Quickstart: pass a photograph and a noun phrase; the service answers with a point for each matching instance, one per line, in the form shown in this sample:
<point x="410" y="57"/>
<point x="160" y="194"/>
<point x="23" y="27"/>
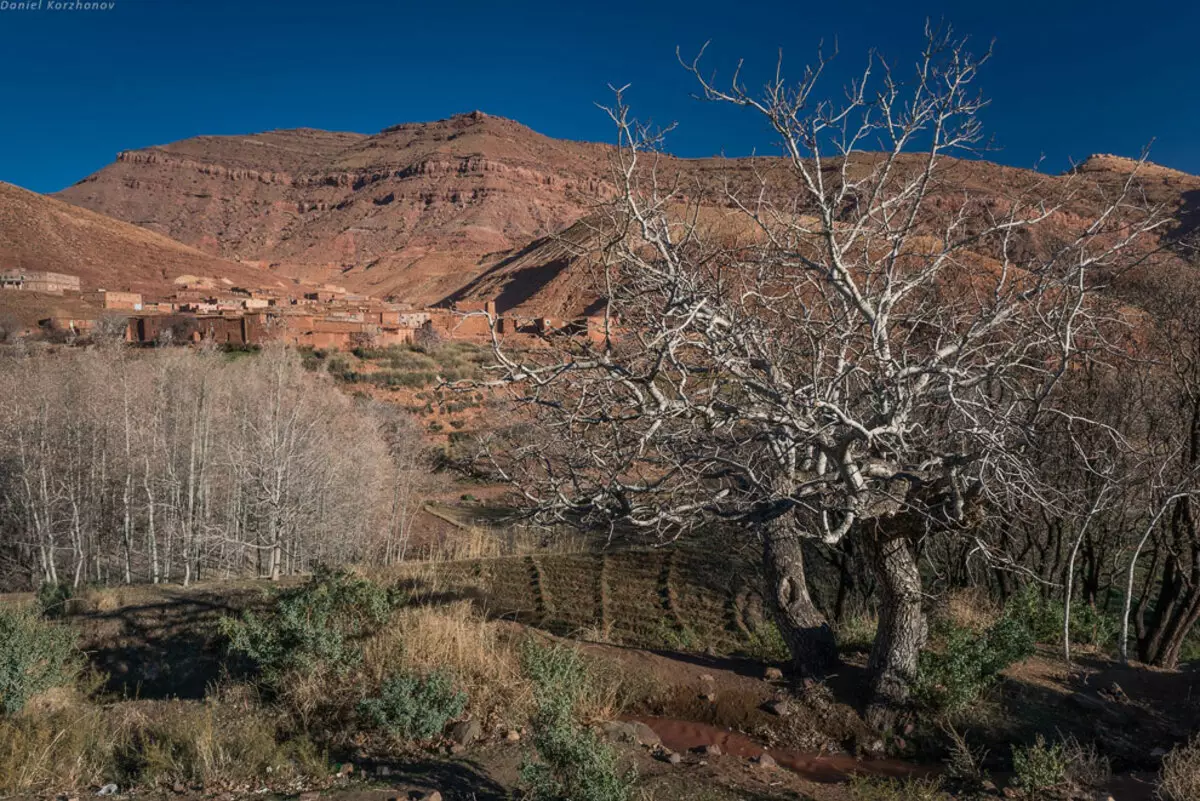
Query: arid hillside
<point x="412" y="212"/>
<point x="39" y="233"/>
<point x="455" y="209"/>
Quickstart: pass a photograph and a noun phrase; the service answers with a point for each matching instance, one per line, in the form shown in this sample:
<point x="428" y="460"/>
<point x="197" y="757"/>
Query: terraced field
<point x="681" y="597"/>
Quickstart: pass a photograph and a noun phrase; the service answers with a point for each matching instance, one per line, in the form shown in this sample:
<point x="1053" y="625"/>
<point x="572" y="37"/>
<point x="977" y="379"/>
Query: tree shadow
<point x="454" y="779"/>
<point x="167" y="648"/>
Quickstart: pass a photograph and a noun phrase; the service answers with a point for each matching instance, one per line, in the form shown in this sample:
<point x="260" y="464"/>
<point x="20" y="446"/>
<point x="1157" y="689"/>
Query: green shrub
<point x="966" y="663"/>
<point x="766" y="644"/>
<point x="317" y="626"/>
<point x="572" y="763"/>
<point x="1040" y="767"/>
<point x="52" y="599"/>
<point x="35" y="655"/>
<point x="1089" y="626"/>
<point x="413" y="707"/>
<point x="856" y="634"/>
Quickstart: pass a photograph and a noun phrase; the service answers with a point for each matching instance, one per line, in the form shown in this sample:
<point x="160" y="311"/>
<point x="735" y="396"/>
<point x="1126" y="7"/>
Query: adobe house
<point x="36" y="281"/>
<point x="106" y="299"/>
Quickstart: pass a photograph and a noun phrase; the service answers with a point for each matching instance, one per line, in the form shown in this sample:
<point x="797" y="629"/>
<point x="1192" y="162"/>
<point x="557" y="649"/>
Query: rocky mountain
<point x="412" y="212"/>
<point x="464" y="208"/>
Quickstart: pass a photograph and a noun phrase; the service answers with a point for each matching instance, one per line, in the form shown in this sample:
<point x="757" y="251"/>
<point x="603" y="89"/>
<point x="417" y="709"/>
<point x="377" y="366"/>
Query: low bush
<point x="314" y="627"/>
<point x="414" y="707"/>
<point x="966" y="662"/>
<point x="52" y="599"/>
<point x="1040" y="767"/>
<point x="766" y="644"/>
<point x="1044" y="617"/>
<point x="572" y="763"/>
<point x="35" y="655"/>
<point x="856" y="634"/>
<point x="1179" y="777"/>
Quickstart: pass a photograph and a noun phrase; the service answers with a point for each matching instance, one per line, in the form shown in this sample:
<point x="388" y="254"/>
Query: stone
<point x="674" y="758"/>
<point x="710" y="750"/>
<point x="630" y="732"/>
<point x="309" y="796"/>
<point x="766" y="761"/>
<point x="466" y="732"/>
<point x="710" y="697"/>
<point x="108" y="789"/>
<point x="178" y="788"/>
<point x="773" y="674"/>
<point x="780" y="707"/>
<point x="512" y="736"/>
<point x="432" y="795"/>
<point x="707" y="677"/>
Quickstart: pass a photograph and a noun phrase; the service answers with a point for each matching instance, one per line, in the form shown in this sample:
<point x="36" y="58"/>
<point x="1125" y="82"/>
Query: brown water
<point x="684" y="735"/>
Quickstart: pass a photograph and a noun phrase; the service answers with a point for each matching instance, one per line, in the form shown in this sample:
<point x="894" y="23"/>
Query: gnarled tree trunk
<point x="902" y="628"/>
<point x="804" y="628"/>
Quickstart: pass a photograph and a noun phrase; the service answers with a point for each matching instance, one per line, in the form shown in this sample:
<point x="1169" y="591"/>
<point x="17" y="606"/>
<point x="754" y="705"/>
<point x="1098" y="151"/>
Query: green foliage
<point x="317" y="626"/>
<point x="1044" y="617"/>
<point x="414" y="707"/>
<point x="766" y="644"/>
<point x="35" y="655"/>
<point x="967" y="662"/>
<point x="52" y="599"/>
<point x="572" y="763"/>
<point x="1040" y="766"/>
<point x="856" y="634"/>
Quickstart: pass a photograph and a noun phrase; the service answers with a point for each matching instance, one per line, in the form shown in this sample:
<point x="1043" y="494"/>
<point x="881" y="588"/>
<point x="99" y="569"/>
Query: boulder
<point x="633" y="731"/>
<point x="465" y="732"/>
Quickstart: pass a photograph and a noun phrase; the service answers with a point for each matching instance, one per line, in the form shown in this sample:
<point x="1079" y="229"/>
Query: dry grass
<point x="147" y="743"/>
<point x="1179" y="779"/>
<point x="484" y="657"/>
<point x="455" y="637"/>
<point x="472" y="541"/>
<point x="971" y="608"/>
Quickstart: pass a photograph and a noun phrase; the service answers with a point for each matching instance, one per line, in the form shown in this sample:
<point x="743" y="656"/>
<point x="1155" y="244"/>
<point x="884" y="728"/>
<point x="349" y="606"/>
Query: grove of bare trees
<point x="122" y="466"/>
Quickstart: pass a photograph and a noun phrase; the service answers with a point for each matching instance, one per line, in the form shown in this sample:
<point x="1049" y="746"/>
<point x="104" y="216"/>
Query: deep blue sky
<point x="1068" y="78"/>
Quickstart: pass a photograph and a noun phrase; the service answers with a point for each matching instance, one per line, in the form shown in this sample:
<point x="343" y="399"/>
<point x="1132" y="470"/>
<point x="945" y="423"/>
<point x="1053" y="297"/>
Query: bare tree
<point x="852" y="346"/>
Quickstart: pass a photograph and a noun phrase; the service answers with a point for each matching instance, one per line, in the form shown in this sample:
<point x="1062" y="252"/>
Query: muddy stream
<point x="686" y="735"/>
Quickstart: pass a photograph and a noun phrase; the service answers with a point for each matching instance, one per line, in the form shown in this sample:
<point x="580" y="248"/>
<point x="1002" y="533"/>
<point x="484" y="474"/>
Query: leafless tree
<point x="126" y="465"/>
<point x="851" y="345"/>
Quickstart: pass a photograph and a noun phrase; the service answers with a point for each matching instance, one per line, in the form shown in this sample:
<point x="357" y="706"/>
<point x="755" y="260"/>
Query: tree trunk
<point x="902" y="630"/>
<point x="805" y="630"/>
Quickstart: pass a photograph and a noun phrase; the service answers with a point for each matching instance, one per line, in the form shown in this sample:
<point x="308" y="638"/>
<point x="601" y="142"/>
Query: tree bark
<point x="804" y="628"/>
<point x="902" y="629"/>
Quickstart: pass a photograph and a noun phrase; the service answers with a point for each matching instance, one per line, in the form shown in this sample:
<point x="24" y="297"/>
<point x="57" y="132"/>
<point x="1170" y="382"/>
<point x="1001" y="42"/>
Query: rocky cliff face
<point x="412" y="212"/>
<point x="425" y="211"/>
